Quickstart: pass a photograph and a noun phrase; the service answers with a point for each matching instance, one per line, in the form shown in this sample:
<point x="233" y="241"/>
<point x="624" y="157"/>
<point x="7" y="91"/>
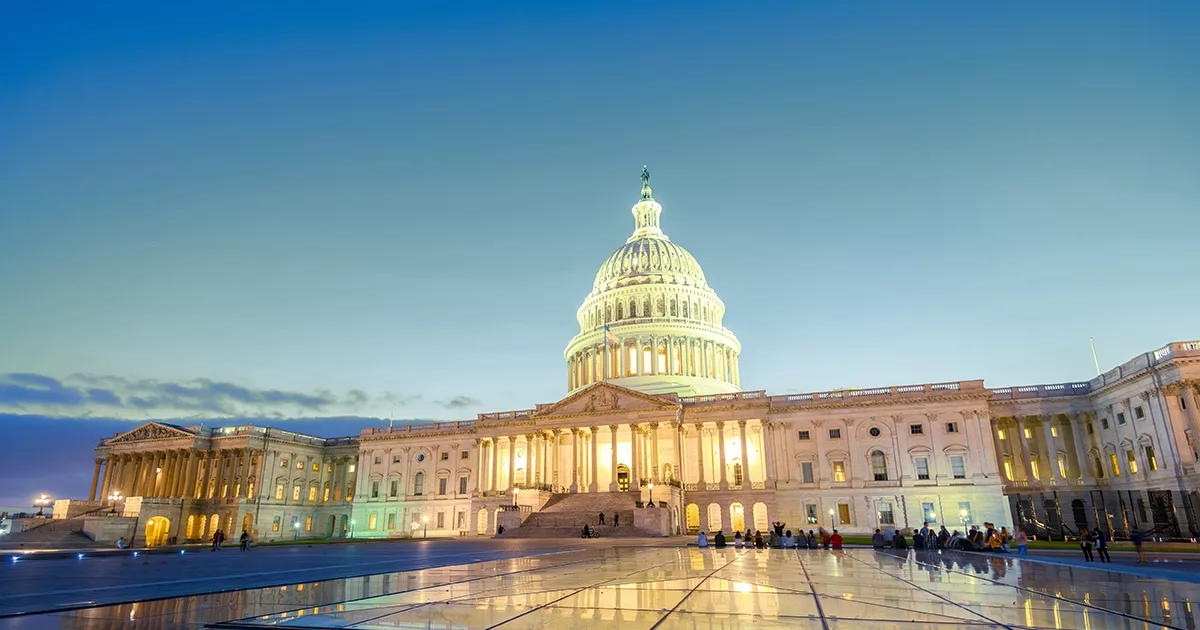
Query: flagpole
<point x="1094" y="358"/>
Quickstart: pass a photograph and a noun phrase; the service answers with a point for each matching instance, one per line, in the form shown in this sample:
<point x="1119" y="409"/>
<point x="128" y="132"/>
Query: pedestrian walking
<point x="602" y="518"/>
<point x="245" y="540"/>
<point x="1022" y="540"/>
<point x="1085" y="544"/>
<point x="616" y="519"/>
<point x="1102" y="545"/>
<point x="1136" y="538"/>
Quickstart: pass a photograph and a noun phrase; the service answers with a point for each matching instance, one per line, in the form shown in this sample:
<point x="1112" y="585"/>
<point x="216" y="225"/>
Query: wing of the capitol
<point x="655" y="415"/>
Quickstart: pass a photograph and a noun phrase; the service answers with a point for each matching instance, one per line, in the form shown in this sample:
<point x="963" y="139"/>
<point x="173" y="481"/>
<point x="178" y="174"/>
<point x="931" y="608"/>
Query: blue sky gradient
<point x="283" y="210"/>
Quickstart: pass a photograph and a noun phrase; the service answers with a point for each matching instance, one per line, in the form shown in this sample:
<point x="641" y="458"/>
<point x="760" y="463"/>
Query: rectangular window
<point x="278" y="492"/>
<point x="1062" y="467"/>
<point x="275" y="524"/>
<point x="371" y="522"/>
<point x="442" y="485"/>
<point x="441" y="522"/>
<point x="283" y="463"/>
<point x="1008" y="470"/>
<point x="885" y="514"/>
<point x="844" y="513"/>
<point x="1028" y="433"/>
<point x="325" y="496"/>
<point x="803" y="436"/>
<point x="350" y="468"/>
<point x="299" y="465"/>
<point x="1103" y="423"/>
<point x="396" y="459"/>
<point x="461" y="517"/>
<point x="922" y="468"/>
<point x="1121" y="418"/>
<point x="328" y="468"/>
<point x="295" y="493"/>
<point x="1091" y="429"/>
<point x="1035" y="469"/>
<point x="928" y="513"/>
<point x="951" y="427"/>
<point x="839" y="471"/>
<point x="374" y="489"/>
<point x="308" y="524"/>
<point x="964" y="512"/>
<point x="1001" y="434"/>
<point x="1133" y="467"/>
<point x="806" y="469"/>
<point x="1139" y="413"/>
<point x="295" y="523"/>
<point x="312" y="493"/>
<point x="378" y="460"/>
<point x="835" y="434"/>
<point x="958" y="467"/>
<point x="445" y="456"/>
<point x="464" y="455"/>
<point x="224" y="490"/>
<point x="811" y="511"/>
<point x="916" y="429"/>
<point x="1053" y="431"/>
<point x="1116" y="469"/>
<point x="391" y="520"/>
<point x="462" y="485"/>
<point x="316" y="467"/>
<point x="394" y="490"/>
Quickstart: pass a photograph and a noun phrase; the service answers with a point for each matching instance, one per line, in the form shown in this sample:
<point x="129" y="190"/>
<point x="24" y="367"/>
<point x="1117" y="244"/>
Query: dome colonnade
<point x="664" y="323"/>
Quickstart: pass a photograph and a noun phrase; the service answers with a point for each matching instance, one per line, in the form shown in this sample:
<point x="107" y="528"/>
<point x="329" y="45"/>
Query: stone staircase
<point x="66" y="533"/>
<point x="564" y="515"/>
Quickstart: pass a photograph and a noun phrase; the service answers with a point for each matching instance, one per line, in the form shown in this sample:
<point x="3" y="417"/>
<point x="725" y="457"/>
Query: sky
<point x="321" y="215"/>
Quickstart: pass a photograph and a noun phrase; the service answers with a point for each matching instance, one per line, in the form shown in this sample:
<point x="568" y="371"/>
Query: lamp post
<point x="425" y="520"/>
<point x="113" y="498"/>
<point x="962" y="516"/>
<point x="295" y="529"/>
<point x="415" y="527"/>
<point x="41" y="503"/>
<point x="516" y="490"/>
<point x="352" y="528"/>
<point x="650" y="487"/>
<point x="830" y="518"/>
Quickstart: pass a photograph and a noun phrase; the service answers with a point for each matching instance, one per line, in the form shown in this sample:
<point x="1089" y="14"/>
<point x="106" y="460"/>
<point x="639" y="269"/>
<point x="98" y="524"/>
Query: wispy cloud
<point x="87" y="394"/>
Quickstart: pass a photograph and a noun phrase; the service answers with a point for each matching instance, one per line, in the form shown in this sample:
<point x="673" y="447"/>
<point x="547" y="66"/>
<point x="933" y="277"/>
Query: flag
<point x="608" y="334"/>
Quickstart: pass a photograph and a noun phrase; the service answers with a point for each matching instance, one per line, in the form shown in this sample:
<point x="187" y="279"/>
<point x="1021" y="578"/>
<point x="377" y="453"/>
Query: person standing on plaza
<point x="602" y="518"/>
<point x="245" y="540"/>
<point x="1005" y="539"/>
<point x="1102" y="545"/>
<point x="1085" y="544"/>
<point x="616" y="519"/>
<point x="1136" y="538"/>
<point x="216" y="540"/>
<point x="1022" y="540"/>
<point x="943" y="538"/>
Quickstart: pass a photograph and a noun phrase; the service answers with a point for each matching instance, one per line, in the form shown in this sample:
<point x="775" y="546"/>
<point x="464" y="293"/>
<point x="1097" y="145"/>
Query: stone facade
<point x="655" y="409"/>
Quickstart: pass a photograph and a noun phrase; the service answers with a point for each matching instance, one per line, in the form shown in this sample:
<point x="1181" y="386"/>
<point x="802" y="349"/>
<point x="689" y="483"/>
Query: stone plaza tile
<point x="675" y="587"/>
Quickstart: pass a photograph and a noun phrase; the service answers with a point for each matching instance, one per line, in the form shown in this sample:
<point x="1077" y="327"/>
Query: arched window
<point x="685" y="308"/>
<point x="646" y="307"/>
<point x="659" y="310"/>
<point x="419" y="484"/>
<point x="607" y="313"/>
<point x="620" y="316"/>
<point x="737" y="473"/>
<point x="674" y="308"/>
<point x="879" y="466"/>
<point x="667" y="472"/>
<point x="632" y="307"/>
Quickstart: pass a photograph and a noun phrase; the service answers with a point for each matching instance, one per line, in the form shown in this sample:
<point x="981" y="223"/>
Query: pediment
<point x="606" y="398"/>
<point x="151" y="431"/>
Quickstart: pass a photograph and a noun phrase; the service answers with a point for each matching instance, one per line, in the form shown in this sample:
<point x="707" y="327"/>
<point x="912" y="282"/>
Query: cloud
<point x="22" y="390"/>
<point x="458" y="402"/>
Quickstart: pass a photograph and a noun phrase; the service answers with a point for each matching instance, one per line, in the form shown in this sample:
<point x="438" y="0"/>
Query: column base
<point x="593" y="488"/>
<point x="612" y="487"/>
<point x="573" y="488"/>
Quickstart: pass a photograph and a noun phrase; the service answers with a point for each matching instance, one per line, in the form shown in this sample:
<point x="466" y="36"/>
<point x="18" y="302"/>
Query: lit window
<point x="325" y="497"/>
<point x="371" y="521"/>
<point x="1028" y="433"/>
<point x="299" y="465"/>
<point x="1053" y="431"/>
<point x="964" y="512"/>
<point x="351" y="468"/>
<point x="328" y="468"/>
<point x="308" y="524"/>
<point x="835" y="434"/>
<point x="1000" y="434"/>
<point x="312" y="493"/>
<point x="1116" y="469"/>
<point x="1151" y="462"/>
<point x="839" y="471"/>
<point x="885" y="514"/>
<point x="879" y="466"/>
<point x="316" y="467"/>
<point x="283" y="463"/>
<point x="1133" y="467"/>
<point x="958" y="467"/>
<point x="922" y="468"/>
<point x="278" y="492"/>
<point x="844" y="513"/>
<point x="1062" y="467"/>
<point x="275" y="524"/>
<point x="296" y="493"/>
<point x="1033" y="465"/>
<point x="811" y="512"/>
<point x="930" y="515"/>
<point x="802" y="436"/>
<point x="1008" y="468"/>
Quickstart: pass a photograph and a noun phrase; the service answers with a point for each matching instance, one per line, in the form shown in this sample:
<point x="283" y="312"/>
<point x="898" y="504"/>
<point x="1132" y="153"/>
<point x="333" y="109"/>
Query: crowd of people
<point x="988" y="538"/>
<point x="776" y="538"/>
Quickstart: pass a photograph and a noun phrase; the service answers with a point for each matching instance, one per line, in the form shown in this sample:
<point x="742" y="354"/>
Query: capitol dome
<point x="664" y="321"/>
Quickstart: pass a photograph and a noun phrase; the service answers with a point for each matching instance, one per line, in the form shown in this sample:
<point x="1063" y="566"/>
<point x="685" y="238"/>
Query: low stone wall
<point x="654" y="521"/>
<point x="108" y="529"/>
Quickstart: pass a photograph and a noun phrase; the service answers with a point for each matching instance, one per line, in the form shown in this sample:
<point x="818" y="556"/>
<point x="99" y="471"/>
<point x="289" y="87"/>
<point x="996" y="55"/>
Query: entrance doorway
<point x="157" y="529"/>
<point x="622" y="478"/>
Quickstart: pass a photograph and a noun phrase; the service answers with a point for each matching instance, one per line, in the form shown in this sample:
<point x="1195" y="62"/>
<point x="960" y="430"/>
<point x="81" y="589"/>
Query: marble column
<point x="635" y="474"/>
<point x="106" y="484"/>
<point x="721" y="446"/>
<point x="95" y="479"/>
<point x="574" y="460"/>
<point x="512" y="463"/>
<point x="531" y="458"/>
<point x="700" y="454"/>
<point x="1026" y="455"/>
<point x="1079" y="433"/>
<point x="656" y="473"/>
<point x="556" y="458"/>
<point x="746" y="483"/>
<point x="769" y="432"/>
<point x="594" y="485"/>
<point x="1052" y="449"/>
<point x="612" y="434"/>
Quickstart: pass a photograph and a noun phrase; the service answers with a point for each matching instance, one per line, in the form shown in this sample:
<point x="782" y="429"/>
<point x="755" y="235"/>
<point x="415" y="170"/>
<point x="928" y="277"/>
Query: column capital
<point x="614" y="427"/>
<point x="742" y="423"/>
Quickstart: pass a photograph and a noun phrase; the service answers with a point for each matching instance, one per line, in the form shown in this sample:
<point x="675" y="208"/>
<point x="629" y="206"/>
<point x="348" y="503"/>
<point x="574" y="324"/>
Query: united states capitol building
<point x="655" y="413"/>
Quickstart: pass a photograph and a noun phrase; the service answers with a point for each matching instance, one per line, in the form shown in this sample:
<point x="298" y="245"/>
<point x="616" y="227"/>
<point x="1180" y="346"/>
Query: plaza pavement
<point x="653" y="583"/>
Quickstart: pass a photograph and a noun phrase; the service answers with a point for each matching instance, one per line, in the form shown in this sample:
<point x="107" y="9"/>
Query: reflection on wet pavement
<point x="686" y="588"/>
